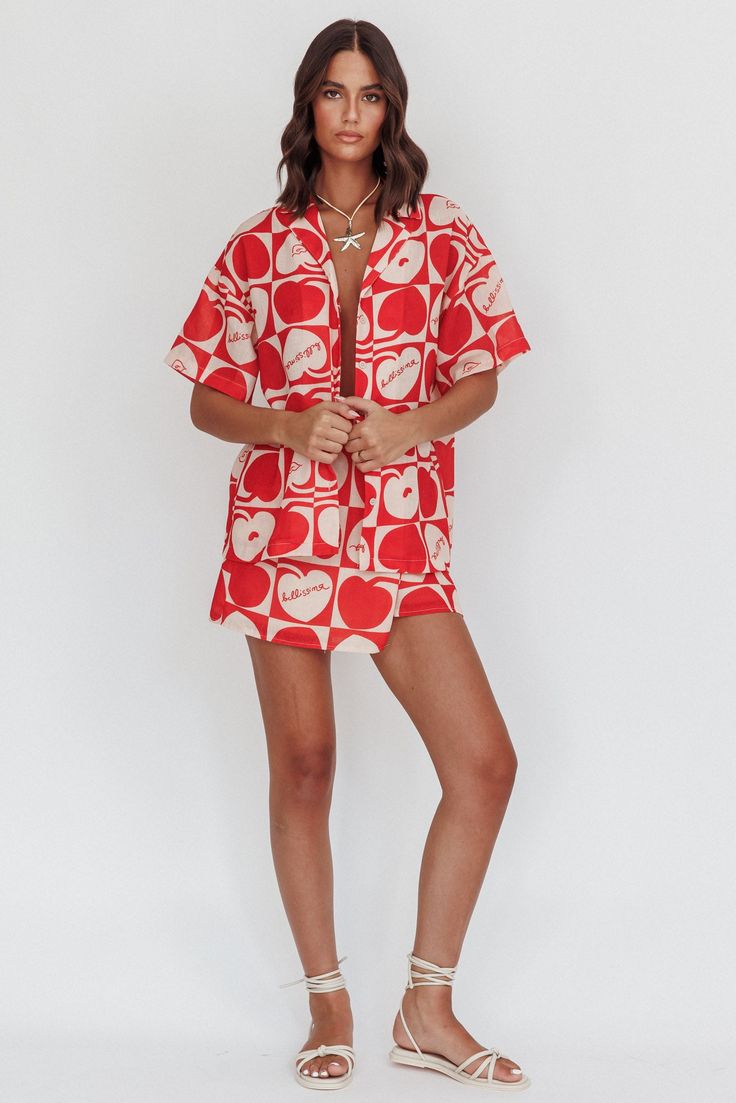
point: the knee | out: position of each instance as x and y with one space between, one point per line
490 774
499 769
305 776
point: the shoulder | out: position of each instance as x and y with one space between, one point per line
244 249
442 211
258 223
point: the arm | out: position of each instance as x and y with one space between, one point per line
319 432
478 336
230 419
386 435
461 405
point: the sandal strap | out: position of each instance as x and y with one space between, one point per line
491 1058
438 974
321 982
322 1051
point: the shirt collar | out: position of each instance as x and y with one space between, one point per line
310 231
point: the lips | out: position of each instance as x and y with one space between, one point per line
346 136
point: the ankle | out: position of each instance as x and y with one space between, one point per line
432 1002
329 1003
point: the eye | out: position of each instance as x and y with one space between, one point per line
328 94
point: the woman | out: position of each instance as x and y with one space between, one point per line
374 317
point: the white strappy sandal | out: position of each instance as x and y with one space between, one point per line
323 982
445 975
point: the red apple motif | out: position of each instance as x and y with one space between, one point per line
364 603
248 584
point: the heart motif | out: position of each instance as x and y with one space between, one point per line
251 534
303 596
400 493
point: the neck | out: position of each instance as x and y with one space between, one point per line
345 185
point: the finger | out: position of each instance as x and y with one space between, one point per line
363 457
332 444
326 457
336 436
343 408
322 445
356 431
344 424
360 403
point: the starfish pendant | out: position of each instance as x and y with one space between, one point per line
350 239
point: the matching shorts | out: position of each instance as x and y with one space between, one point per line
326 603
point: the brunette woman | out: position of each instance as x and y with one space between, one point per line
374 317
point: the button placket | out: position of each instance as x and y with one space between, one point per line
389 239
336 345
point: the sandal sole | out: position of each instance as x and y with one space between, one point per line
401 1056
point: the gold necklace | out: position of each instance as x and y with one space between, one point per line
350 238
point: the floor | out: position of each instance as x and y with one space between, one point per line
127 1070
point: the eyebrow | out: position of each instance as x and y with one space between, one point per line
363 87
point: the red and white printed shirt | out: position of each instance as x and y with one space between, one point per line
433 308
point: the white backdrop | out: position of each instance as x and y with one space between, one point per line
143 936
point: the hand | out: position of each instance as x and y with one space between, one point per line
380 437
320 431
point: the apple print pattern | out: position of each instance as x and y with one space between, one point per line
432 309
327 602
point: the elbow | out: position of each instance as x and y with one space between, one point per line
195 414
199 406
487 389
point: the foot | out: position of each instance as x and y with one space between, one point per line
431 1020
332 1021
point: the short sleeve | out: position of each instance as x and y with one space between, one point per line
216 344
478 328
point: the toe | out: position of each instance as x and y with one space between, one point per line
506 1069
503 1069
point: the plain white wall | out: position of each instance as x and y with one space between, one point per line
592 144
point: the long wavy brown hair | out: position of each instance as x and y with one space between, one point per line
399 161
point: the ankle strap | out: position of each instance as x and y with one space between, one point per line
439 974
321 982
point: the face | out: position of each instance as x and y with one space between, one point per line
350 99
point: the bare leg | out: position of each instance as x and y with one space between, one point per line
295 693
432 667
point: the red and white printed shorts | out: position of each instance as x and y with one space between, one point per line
326 603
